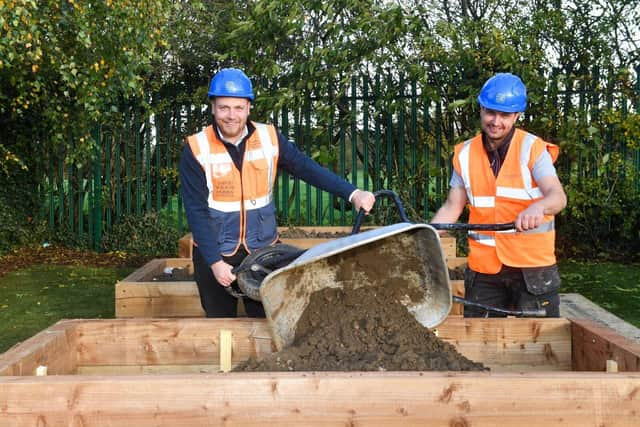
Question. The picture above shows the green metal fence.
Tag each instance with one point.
(380, 132)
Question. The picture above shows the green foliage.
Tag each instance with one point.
(143, 235)
(66, 65)
(18, 205)
(13, 230)
(63, 236)
(602, 219)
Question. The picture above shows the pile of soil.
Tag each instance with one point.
(457, 273)
(366, 328)
(298, 233)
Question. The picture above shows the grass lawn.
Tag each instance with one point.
(614, 287)
(35, 297)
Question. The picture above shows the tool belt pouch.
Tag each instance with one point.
(541, 280)
(469, 279)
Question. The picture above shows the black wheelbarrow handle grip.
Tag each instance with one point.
(477, 227)
(403, 216)
(382, 193)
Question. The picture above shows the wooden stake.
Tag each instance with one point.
(226, 341)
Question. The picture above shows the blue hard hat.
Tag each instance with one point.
(231, 82)
(504, 92)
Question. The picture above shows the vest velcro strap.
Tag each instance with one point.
(220, 158)
(519, 193)
(254, 155)
(545, 227)
(483, 201)
(260, 202)
(488, 240)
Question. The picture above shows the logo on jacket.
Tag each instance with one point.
(219, 170)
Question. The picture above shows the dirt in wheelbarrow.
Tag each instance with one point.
(299, 233)
(354, 328)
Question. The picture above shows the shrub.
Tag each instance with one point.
(13, 229)
(148, 235)
(601, 221)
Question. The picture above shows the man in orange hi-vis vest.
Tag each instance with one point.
(505, 174)
(227, 174)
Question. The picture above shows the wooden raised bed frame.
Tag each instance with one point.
(138, 296)
(136, 372)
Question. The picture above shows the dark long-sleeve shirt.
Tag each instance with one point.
(195, 193)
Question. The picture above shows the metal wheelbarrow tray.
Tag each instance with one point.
(404, 255)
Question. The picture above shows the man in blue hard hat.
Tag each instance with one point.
(227, 174)
(505, 174)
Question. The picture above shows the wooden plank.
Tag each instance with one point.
(226, 341)
(448, 245)
(511, 344)
(455, 262)
(137, 295)
(457, 289)
(155, 267)
(304, 242)
(157, 299)
(327, 399)
(502, 344)
(185, 246)
(149, 369)
(53, 347)
(594, 344)
(576, 306)
(168, 341)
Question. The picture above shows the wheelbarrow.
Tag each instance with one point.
(406, 255)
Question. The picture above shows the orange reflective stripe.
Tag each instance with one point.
(193, 144)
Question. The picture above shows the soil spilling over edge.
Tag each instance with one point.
(363, 324)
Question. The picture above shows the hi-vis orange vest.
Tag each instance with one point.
(240, 202)
(500, 199)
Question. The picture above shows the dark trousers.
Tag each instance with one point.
(509, 289)
(215, 300)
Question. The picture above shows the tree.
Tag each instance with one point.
(65, 66)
